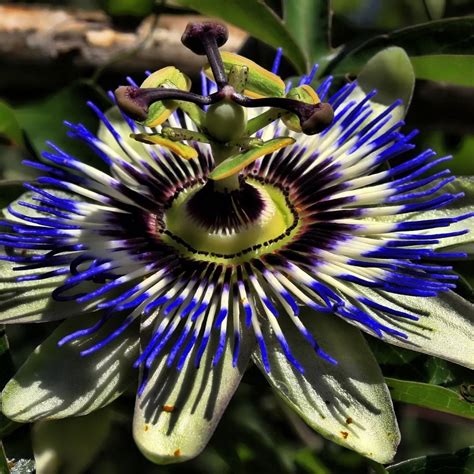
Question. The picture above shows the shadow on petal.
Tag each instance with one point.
(348, 403)
(179, 409)
(57, 382)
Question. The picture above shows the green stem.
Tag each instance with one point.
(220, 153)
(4, 468)
(377, 468)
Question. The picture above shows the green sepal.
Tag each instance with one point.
(236, 163)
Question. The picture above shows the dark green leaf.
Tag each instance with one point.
(430, 396)
(309, 23)
(389, 14)
(9, 128)
(461, 462)
(439, 371)
(129, 7)
(6, 363)
(465, 284)
(307, 460)
(387, 354)
(44, 120)
(452, 68)
(449, 36)
(256, 18)
(9, 191)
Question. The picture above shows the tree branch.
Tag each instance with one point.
(53, 45)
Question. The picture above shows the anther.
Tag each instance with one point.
(206, 38)
(319, 120)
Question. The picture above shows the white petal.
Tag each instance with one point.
(56, 382)
(31, 301)
(348, 403)
(389, 72)
(179, 410)
(462, 206)
(445, 328)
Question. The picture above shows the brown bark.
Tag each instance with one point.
(40, 43)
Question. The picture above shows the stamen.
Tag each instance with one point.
(134, 101)
(314, 118)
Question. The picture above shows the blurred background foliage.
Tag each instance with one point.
(434, 399)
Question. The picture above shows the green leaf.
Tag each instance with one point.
(448, 36)
(129, 7)
(44, 120)
(462, 149)
(461, 462)
(430, 396)
(9, 191)
(439, 371)
(390, 355)
(307, 460)
(9, 126)
(388, 14)
(465, 285)
(452, 68)
(256, 18)
(309, 23)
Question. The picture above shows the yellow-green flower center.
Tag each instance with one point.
(275, 226)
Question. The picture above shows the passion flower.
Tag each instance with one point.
(257, 221)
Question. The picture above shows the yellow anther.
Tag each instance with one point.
(184, 151)
(171, 78)
(236, 163)
(260, 82)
